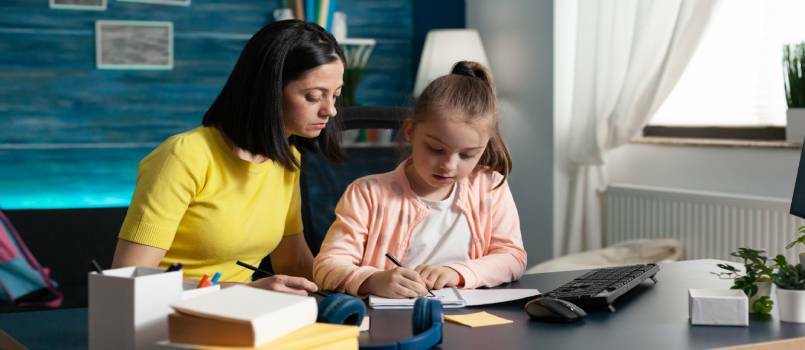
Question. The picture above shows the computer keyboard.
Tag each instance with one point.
(600, 287)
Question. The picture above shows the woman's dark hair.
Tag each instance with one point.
(249, 108)
(470, 90)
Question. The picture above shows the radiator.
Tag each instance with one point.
(709, 224)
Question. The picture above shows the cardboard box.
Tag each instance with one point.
(718, 307)
(128, 307)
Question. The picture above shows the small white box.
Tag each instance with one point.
(718, 307)
(128, 307)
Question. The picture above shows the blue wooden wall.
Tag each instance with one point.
(72, 135)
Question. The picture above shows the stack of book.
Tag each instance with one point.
(251, 318)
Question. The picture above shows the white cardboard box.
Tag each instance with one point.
(718, 307)
(128, 307)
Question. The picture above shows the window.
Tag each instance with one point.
(734, 81)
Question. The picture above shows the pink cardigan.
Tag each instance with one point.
(378, 213)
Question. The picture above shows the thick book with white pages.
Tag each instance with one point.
(265, 315)
(455, 298)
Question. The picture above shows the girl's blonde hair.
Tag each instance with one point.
(469, 91)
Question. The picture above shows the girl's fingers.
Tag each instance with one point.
(404, 291)
(430, 282)
(412, 275)
(416, 286)
(432, 278)
(441, 282)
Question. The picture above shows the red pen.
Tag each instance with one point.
(204, 279)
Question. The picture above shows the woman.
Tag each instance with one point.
(229, 189)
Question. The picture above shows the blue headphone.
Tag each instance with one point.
(427, 320)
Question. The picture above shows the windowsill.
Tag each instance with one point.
(684, 141)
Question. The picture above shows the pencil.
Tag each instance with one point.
(96, 267)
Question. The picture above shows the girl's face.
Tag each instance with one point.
(443, 151)
(309, 102)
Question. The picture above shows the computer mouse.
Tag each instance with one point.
(554, 310)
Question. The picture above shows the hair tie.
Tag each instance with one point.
(462, 69)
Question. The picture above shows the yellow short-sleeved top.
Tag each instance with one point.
(208, 208)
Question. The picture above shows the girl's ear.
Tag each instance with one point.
(408, 130)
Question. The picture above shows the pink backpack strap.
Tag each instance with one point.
(29, 257)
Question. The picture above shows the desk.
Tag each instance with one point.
(650, 317)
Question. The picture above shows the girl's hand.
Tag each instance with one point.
(286, 284)
(438, 277)
(395, 283)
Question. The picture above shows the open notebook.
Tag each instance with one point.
(455, 298)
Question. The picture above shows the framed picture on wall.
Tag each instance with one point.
(133, 44)
(97, 5)
(162, 2)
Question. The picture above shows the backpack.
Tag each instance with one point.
(23, 281)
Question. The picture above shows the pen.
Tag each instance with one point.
(204, 280)
(215, 278)
(174, 267)
(96, 267)
(397, 262)
(255, 269)
(268, 274)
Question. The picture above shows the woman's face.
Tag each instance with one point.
(308, 103)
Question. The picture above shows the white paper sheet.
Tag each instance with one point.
(455, 298)
(494, 296)
(449, 297)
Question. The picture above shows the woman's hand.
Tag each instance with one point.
(395, 283)
(286, 284)
(438, 277)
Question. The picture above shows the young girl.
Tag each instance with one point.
(446, 213)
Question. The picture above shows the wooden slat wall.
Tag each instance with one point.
(67, 129)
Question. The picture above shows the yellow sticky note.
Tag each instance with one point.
(478, 319)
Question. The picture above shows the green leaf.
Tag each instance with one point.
(727, 267)
(794, 81)
(763, 305)
(800, 240)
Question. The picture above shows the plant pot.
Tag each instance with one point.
(791, 305)
(763, 290)
(795, 126)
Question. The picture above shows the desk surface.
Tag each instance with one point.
(650, 317)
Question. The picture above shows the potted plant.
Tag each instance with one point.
(794, 78)
(790, 282)
(800, 240)
(755, 280)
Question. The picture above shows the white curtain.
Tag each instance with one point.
(628, 56)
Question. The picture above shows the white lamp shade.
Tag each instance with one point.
(443, 48)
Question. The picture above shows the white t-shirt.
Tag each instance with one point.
(442, 238)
